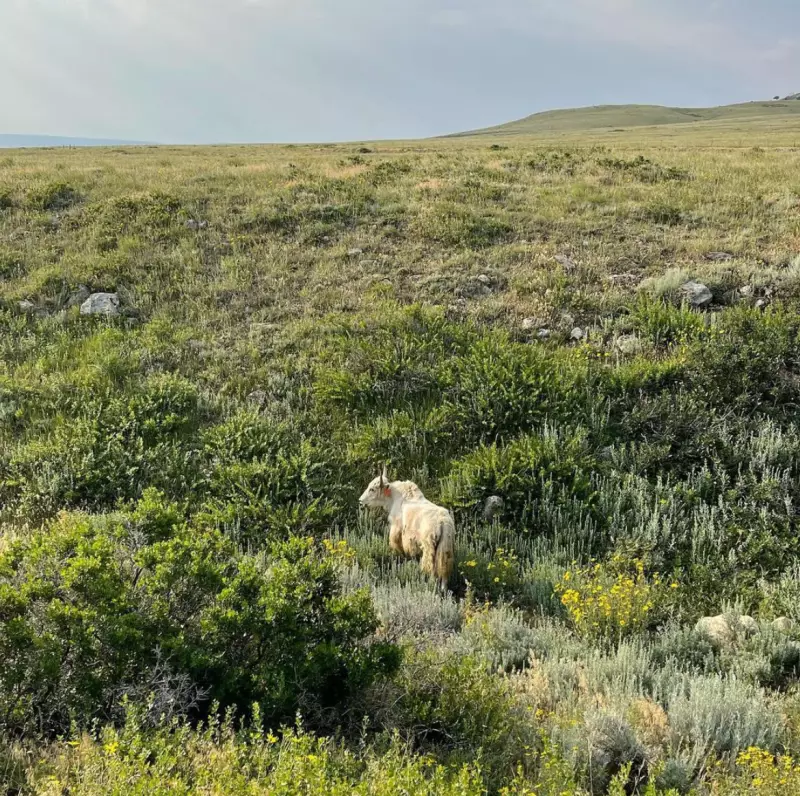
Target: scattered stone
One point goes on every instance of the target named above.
(27, 306)
(761, 304)
(355, 252)
(196, 225)
(484, 280)
(101, 304)
(257, 398)
(529, 324)
(718, 257)
(566, 262)
(577, 334)
(717, 629)
(629, 344)
(79, 296)
(493, 506)
(746, 291)
(544, 334)
(783, 624)
(697, 294)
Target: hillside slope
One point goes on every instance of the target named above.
(625, 116)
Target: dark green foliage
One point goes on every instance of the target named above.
(522, 472)
(91, 607)
(451, 705)
(53, 196)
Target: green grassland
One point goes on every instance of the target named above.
(755, 116)
(190, 599)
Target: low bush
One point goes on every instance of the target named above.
(91, 607)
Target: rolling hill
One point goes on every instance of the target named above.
(610, 117)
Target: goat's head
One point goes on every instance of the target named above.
(378, 493)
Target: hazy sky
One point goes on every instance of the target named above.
(313, 70)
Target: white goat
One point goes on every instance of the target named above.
(417, 527)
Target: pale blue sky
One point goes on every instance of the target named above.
(322, 70)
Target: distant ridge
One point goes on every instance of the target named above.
(10, 141)
(610, 117)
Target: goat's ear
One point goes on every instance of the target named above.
(385, 475)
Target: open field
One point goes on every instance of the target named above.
(496, 316)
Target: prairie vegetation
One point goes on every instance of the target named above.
(191, 600)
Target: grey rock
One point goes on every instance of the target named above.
(577, 334)
(697, 294)
(783, 624)
(101, 304)
(27, 306)
(717, 629)
(761, 304)
(528, 324)
(746, 291)
(719, 257)
(492, 507)
(355, 252)
(483, 279)
(544, 334)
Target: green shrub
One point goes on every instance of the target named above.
(178, 759)
(52, 196)
(91, 605)
(452, 706)
(522, 471)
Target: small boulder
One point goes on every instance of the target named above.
(483, 279)
(355, 252)
(543, 334)
(492, 507)
(101, 304)
(27, 306)
(746, 291)
(783, 624)
(762, 304)
(697, 294)
(717, 629)
(529, 324)
(719, 257)
(577, 334)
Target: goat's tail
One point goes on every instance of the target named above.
(445, 552)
